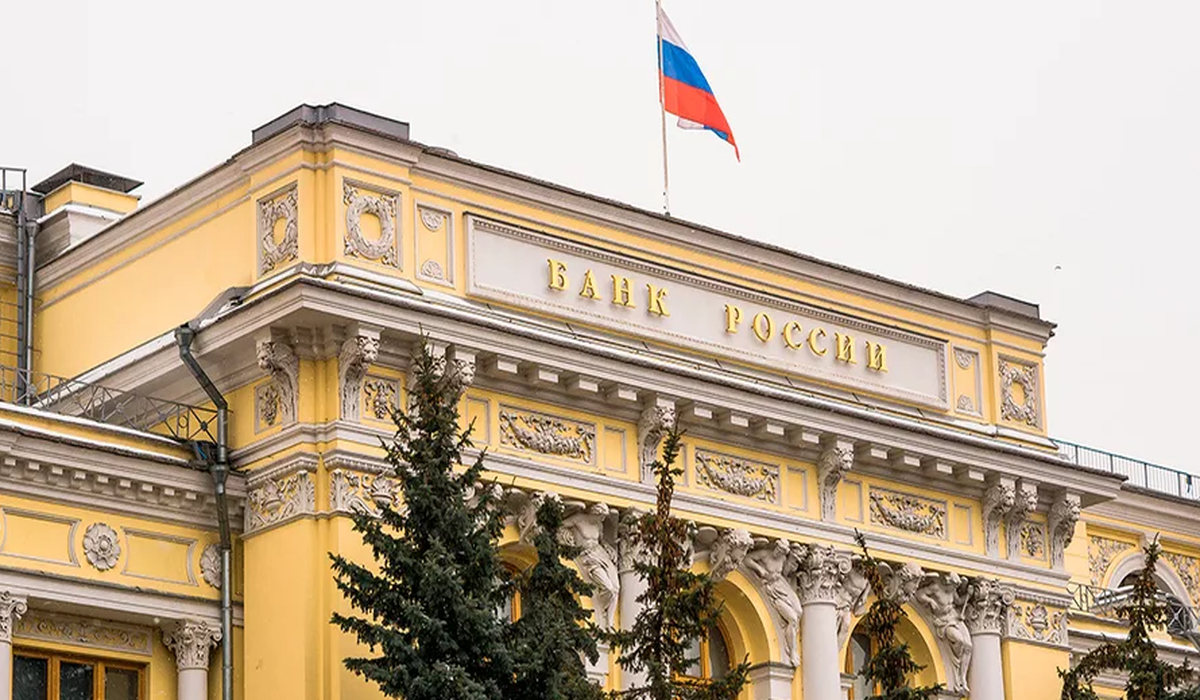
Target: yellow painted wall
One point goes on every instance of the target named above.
(1031, 671)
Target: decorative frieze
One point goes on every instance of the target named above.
(11, 609)
(1188, 569)
(278, 359)
(737, 476)
(771, 566)
(274, 498)
(1101, 553)
(657, 420)
(210, 565)
(358, 352)
(382, 206)
(282, 206)
(101, 546)
(1023, 408)
(85, 632)
(1032, 621)
(1064, 515)
(836, 459)
(191, 641)
(1025, 503)
(997, 501)
(1033, 540)
(903, 511)
(361, 492)
(549, 435)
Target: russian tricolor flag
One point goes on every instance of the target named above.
(685, 91)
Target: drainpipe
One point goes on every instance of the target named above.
(218, 467)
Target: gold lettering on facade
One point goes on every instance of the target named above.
(763, 326)
(558, 274)
(733, 316)
(622, 291)
(589, 286)
(845, 347)
(657, 300)
(813, 337)
(787, 335)
(876, 356)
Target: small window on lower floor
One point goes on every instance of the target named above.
(39, 676)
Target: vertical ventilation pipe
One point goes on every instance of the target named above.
(218, 467)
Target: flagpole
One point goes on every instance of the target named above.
(662, 103)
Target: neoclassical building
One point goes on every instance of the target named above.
(218, 366)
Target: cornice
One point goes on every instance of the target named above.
(1153, 511)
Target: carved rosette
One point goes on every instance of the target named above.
(191, 641)
(1024, 410)
(102, 546)
(283, 206)
(728, 551)
(11, 610)
(903, 511)
(361, 492)
(1033, 621)
(273, 499)
(737, 476)
(357, 354)
(987, 606)
(278, 359)
(1026, 502)
(1064, 515)
(997, 501)
(821, 574)
(210, 565)
(657, 420)
(836, 459)
(382, 207)
(548, 435)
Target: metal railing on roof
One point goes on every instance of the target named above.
(1104, 602)
(71, 397)
(1144, 474)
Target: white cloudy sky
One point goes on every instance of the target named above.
(956, 145)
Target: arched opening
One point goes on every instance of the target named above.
(710, 655)
(860, 648)
(1180, 620)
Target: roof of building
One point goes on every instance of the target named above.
(88, 176)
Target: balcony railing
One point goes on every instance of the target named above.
(71, 397)
(1104, 602)
(1144, 474)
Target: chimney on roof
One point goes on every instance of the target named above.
(77, 202)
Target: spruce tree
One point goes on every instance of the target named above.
(890, 667)
(679, 606)
(428, 617)
(1136, 656)
(553, 634)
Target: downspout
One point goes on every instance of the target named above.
(218, 467)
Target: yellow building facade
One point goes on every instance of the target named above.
(816, 400)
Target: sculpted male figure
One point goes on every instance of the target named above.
(597, 559)
(773, 565)
(945, 596)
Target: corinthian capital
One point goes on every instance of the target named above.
(11, 610)
(191, 641)
(987, 606)
(821, 574)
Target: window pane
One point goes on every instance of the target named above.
(693, 656)
(30, 678)
(120, 684)
(718, 653)
(75, 681)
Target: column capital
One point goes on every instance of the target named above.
(821, 574)
(191, 641)
(12, 607)
(987, 606)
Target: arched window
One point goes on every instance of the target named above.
(1179, 615)
(711, 655)
(856, 660)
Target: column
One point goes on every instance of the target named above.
(632, 586)
(11, 609)
(192, 640)
(987, 606)
(821, 575)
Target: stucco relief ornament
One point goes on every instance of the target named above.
(432, 220)
(1033, 540)
(11, 610)
(1064, 515)
(597, 560)
(945, 596)
(1024, 376)
(433, 270)
(987, 605)
(269, 403)
(656, 422)
(357, 354)
(1101, 552)
(728, 552)
(277, 358)
(908, 513)
(379, 395)
(963, 358)
(102, 546)
(382, 207)
(210, 565)
(997, 501)
(852, 599)
(1035, 622)
(771, 566)
(270, 212)
(279, 498)
(836, 459)
(191, 640)
(738, 477)
(1026, 503)
(547, 435)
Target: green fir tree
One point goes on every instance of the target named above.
(428, 617)
(678, 606)
(890, 667)
(1136, 656)
(554, 634)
